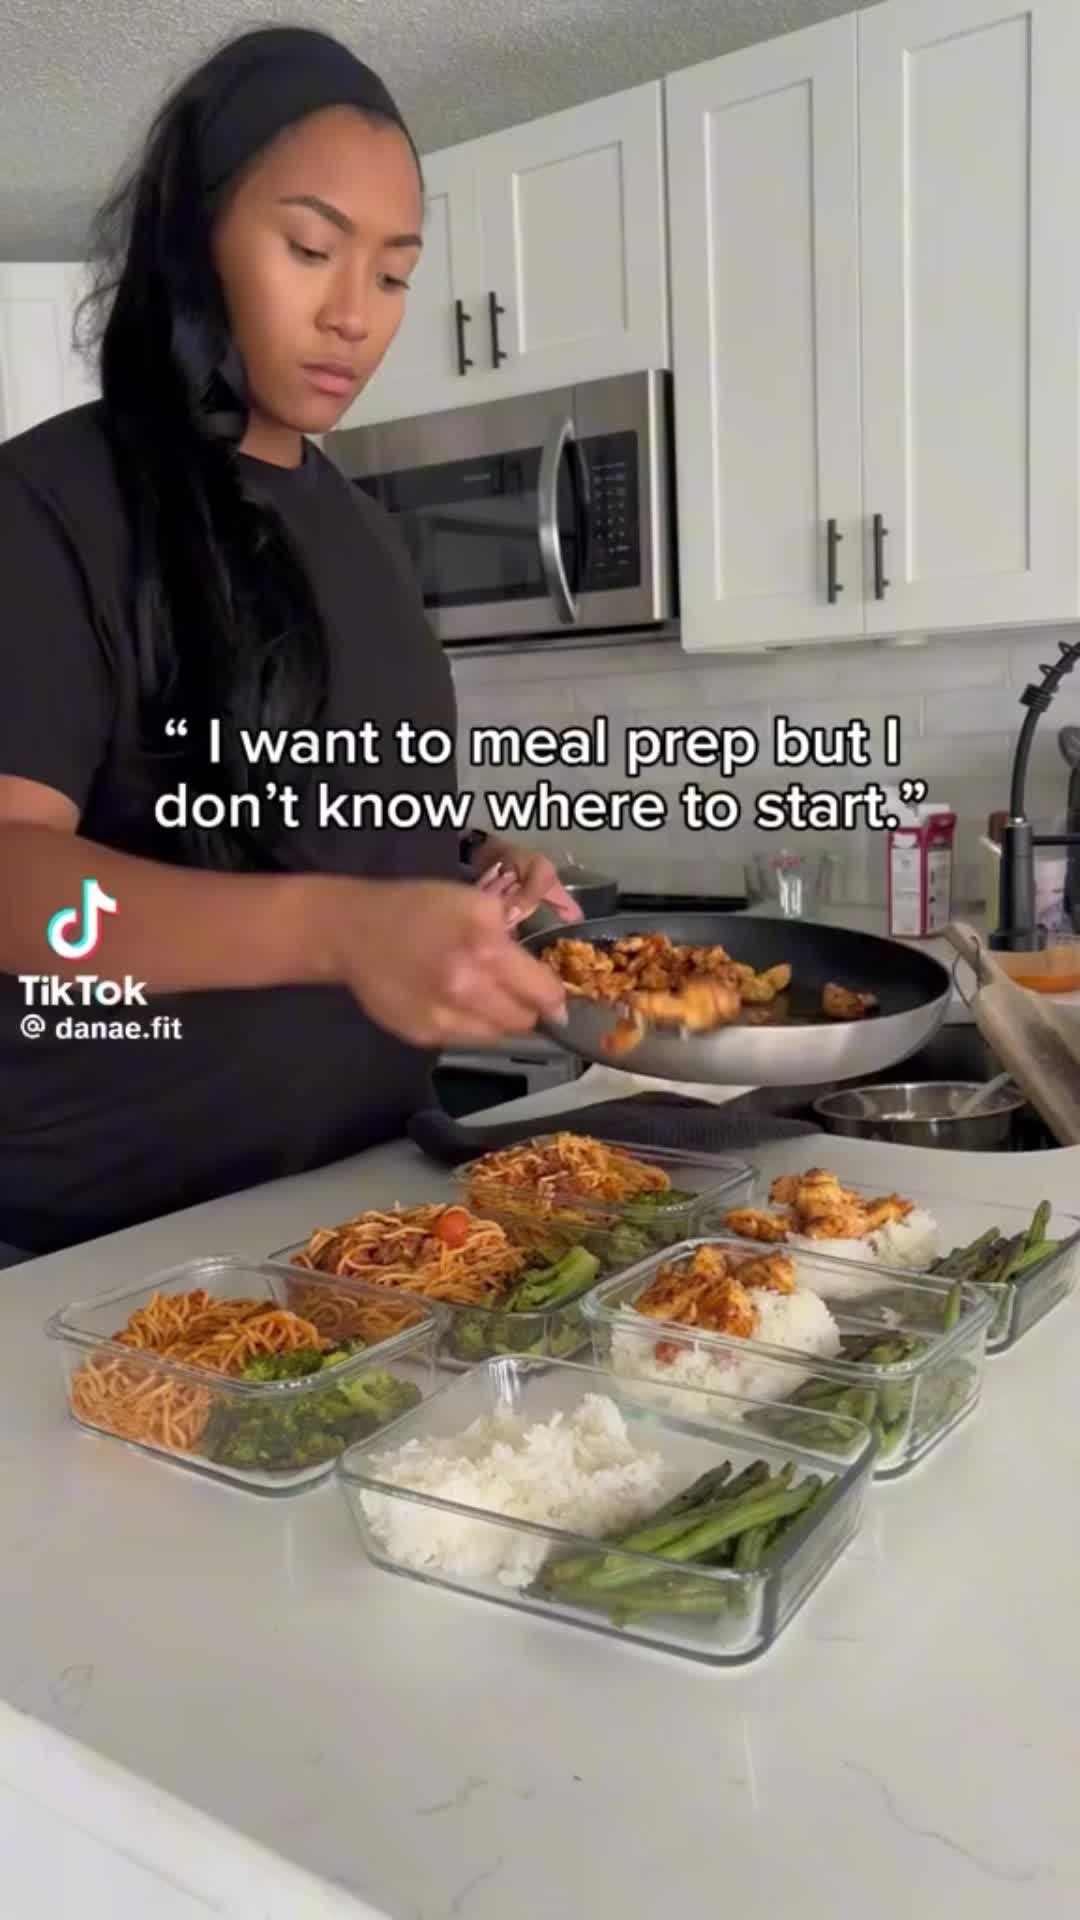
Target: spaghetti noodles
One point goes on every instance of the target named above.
(569, 1165)
(137, 1401)
(341, 1315)
(437, 1252)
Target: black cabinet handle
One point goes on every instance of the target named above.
(880, 535)
(494, 310)
(462, 319)
(833, 537)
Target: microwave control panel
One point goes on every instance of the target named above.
(614, 512)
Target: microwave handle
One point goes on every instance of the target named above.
(561, 433)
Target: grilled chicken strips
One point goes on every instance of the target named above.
(815, 1206)
(713, 1290)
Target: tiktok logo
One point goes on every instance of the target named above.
(62, 931)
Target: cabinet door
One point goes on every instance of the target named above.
(970, 249)
(41, 373)
(573, 229)
(762, 167)
(422, 371)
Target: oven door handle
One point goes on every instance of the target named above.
(560, 436)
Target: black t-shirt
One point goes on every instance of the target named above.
(97, 1134)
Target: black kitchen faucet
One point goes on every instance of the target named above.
(1017, 932)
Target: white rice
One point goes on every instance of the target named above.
(910, 1245)
(800, 1321)
(579, 1471)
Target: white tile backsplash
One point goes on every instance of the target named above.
(957, 698)
(952, 713)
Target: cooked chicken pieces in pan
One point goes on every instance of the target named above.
(650, 980)
(840, 1003)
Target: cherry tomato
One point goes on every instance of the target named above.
(452, 1227)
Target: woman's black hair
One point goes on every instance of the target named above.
(225, 618)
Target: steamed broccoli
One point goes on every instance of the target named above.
(475, 1336)
(283, 1366)
(304, 1360)
(542, 1287)
(308, 1428)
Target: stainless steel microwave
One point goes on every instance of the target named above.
(547, 515)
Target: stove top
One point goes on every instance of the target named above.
(682, 903)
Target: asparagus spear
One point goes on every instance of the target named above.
(755, 1509)
(963, 1262)
(1040, 1222)
(667, 1595)
(696, 1494)
(755, 1476)
(750, 1548)
(992, 1259)
(667, 1522)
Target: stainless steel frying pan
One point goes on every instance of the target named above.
(913, 991)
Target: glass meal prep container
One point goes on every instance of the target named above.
(272, 1436)
(910, 1367)
(698, 1184)
(722, 1614)
(468, 1334)
(1019, 1304)
(601, 1238)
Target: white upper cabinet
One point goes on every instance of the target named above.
(430, 354)
(876, 309)
(762, 161)
(41, 373)
(970, 190)
(572, 221)
(544, 262)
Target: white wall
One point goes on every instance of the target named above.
(957, 698)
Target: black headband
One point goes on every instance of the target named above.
(278, 76)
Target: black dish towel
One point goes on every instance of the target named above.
(643, 1120)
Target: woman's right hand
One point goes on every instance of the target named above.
(434, 964)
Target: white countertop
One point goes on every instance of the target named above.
(909, 1746)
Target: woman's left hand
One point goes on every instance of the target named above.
(525, 881)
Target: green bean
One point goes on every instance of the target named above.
(1040, 1221)
(1029, 1256)
(895, 1401)
(755, 1510)
(750, 1548)
(892, 1435)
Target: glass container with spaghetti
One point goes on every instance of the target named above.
(510, 1285)
(213, 1366)
(626, 1201)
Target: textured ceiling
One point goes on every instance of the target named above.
(79, 77)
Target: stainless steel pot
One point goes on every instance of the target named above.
(922, 1113)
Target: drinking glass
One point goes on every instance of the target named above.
(796, 883)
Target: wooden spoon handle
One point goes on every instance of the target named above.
(979, 957)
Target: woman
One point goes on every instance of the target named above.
(180, 554)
